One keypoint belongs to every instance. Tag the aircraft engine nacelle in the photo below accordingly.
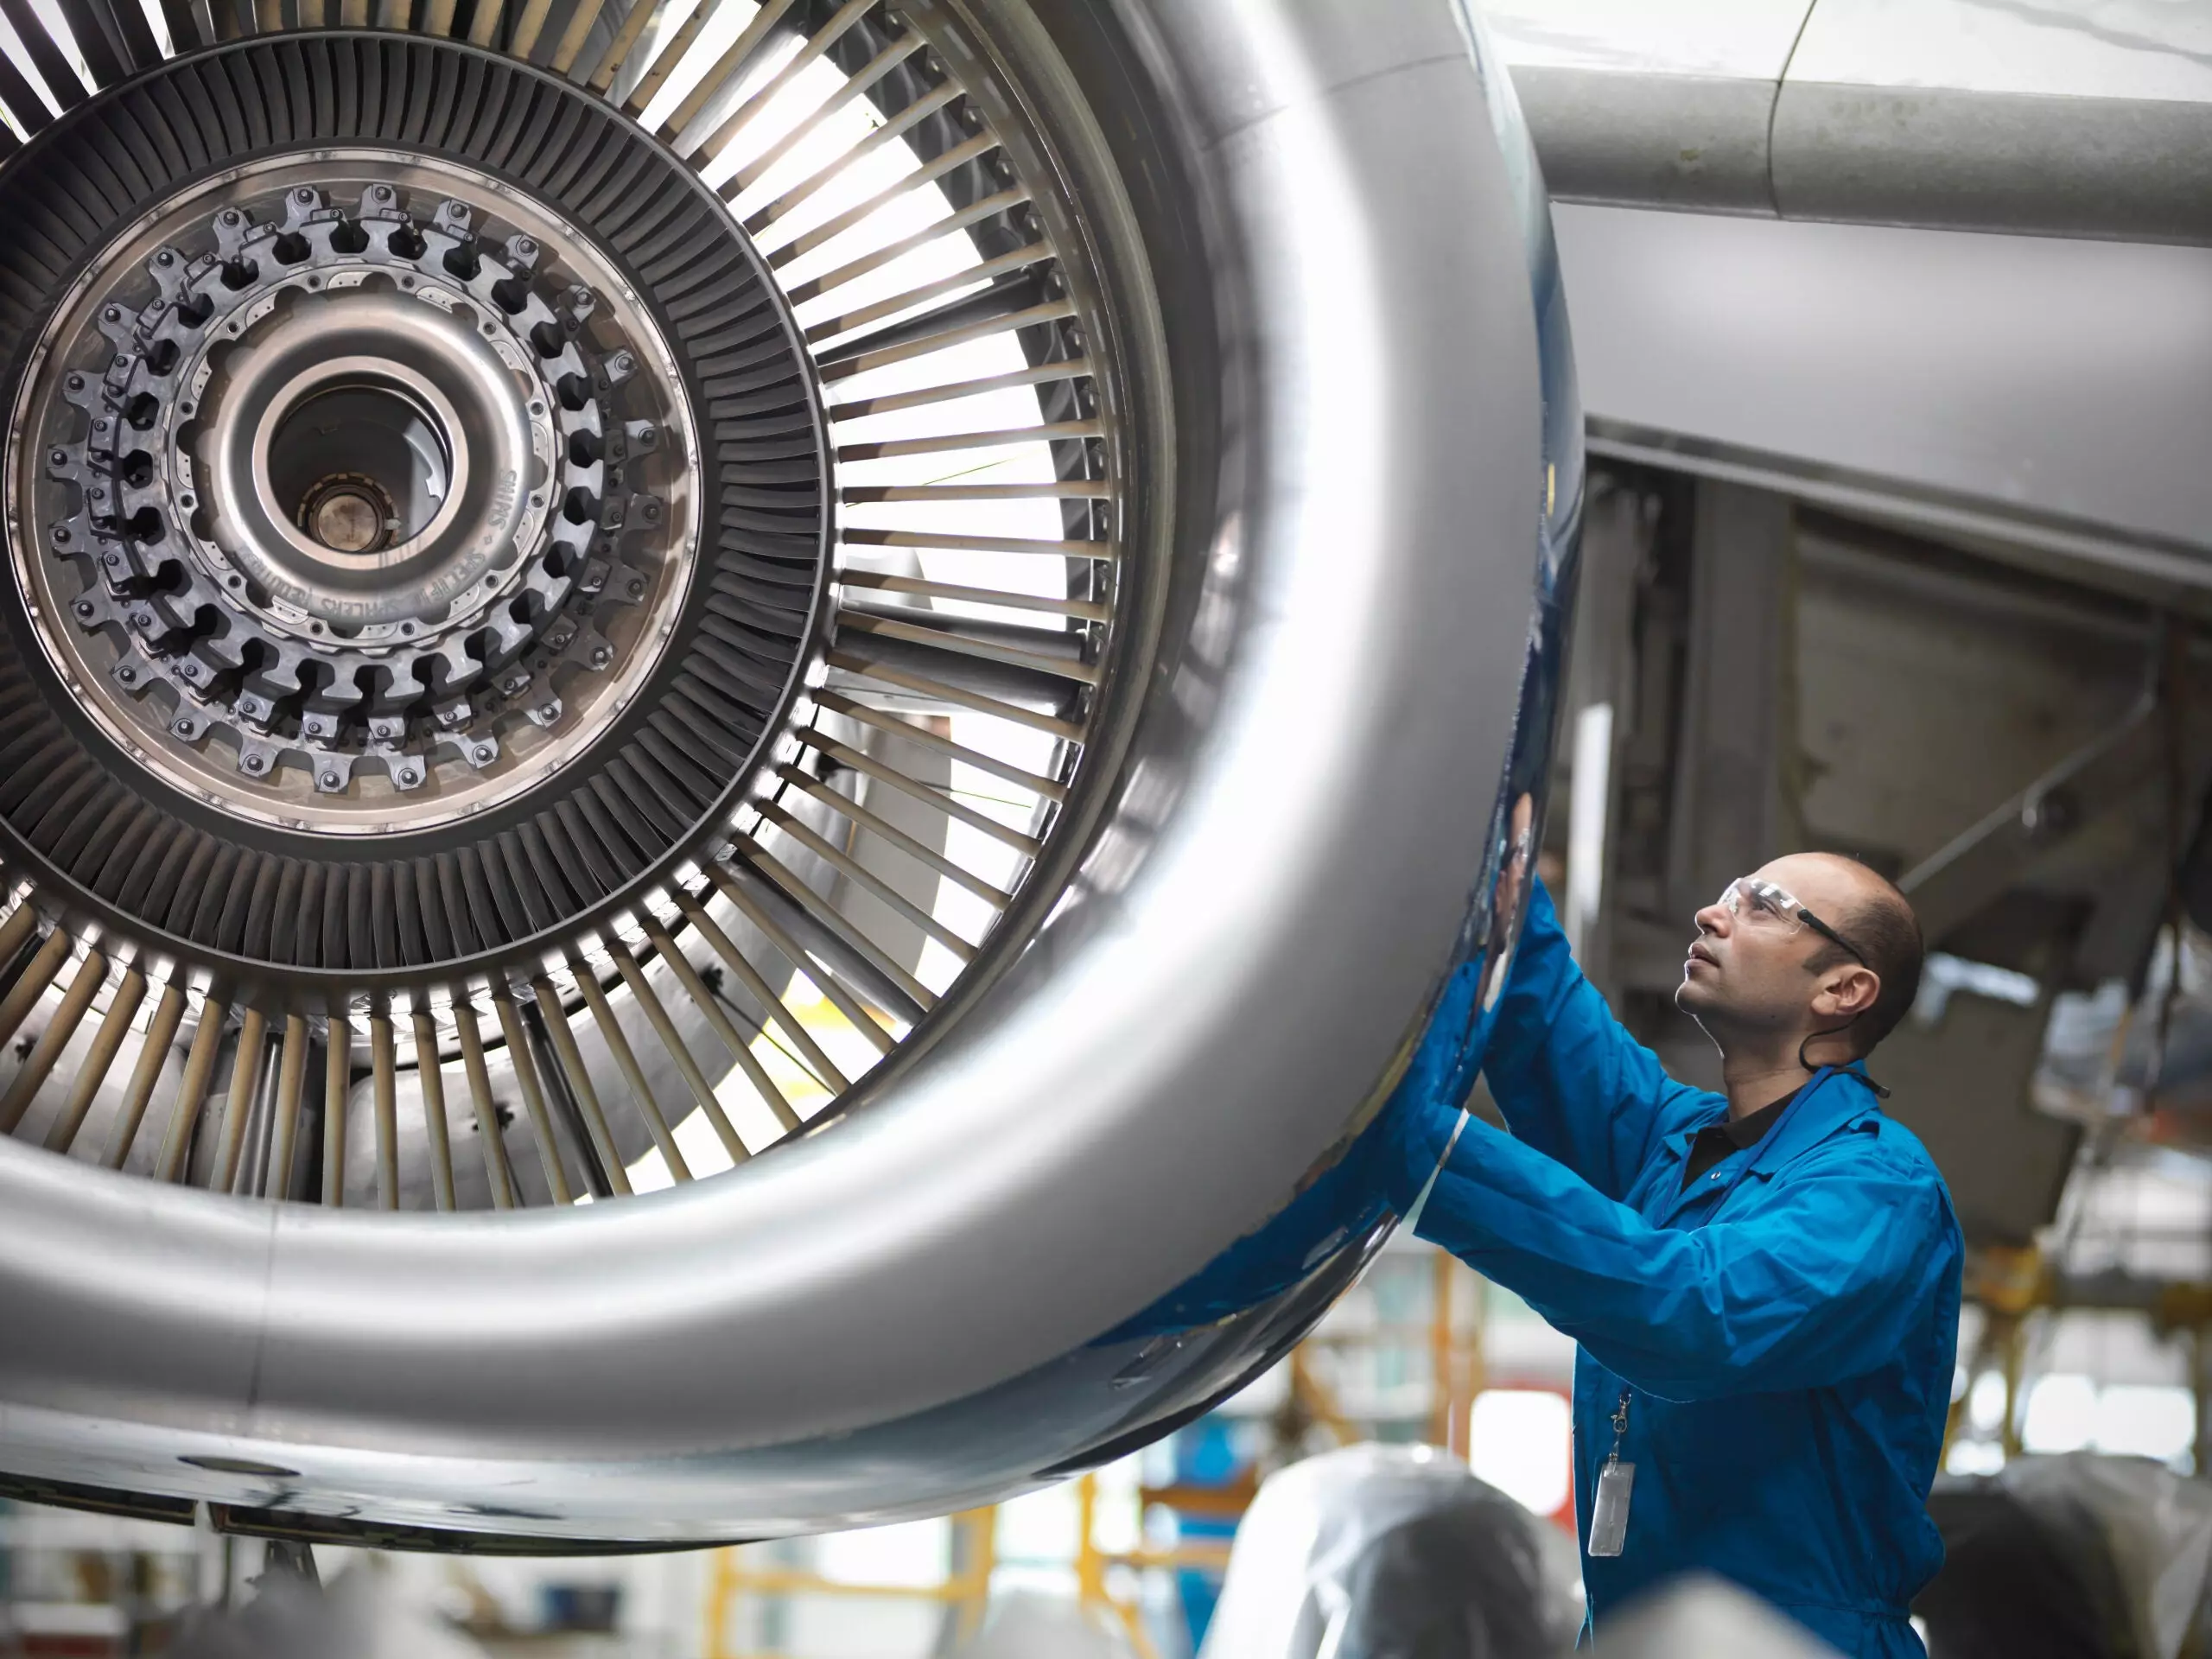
(741, 748)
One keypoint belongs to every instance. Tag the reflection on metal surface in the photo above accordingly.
(1118, 661)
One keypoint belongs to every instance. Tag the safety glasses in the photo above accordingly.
(1747, 897)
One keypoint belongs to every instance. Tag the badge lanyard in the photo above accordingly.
(1616, 1479)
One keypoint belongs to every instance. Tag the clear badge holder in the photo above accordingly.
(1609, 1515)
(1616, 1480)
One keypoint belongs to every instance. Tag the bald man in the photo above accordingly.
(1763, 1282)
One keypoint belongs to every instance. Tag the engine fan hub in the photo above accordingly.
(368, 422)
(343, 507)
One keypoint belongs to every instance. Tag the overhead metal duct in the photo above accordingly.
(2060, 117)
(738, 744)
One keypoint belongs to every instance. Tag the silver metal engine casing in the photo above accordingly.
(1137, 1167)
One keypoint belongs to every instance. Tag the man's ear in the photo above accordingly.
(1855, 988)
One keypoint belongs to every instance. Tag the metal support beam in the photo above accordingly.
(1617, 528)
(2101, 775)
(1730, 815)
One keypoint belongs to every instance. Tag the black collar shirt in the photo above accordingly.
(1731, 1135)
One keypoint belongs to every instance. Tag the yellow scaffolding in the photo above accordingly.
(1095, 1592)
(967, 1587)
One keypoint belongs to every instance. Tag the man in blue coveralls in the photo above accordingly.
(1764, 1283)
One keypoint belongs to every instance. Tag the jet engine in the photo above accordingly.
(742, 744)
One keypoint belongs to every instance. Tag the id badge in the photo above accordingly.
(1609, 1515)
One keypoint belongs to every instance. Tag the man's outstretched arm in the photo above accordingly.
(1819, 1288)
(1570, 1081)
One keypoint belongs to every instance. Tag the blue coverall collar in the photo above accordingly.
(1817, 1110)
(1832, 1098)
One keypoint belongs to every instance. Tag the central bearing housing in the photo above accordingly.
(390, 492)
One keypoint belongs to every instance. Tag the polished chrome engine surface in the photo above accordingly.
(858, 966)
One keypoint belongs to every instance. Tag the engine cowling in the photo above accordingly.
(748, 749)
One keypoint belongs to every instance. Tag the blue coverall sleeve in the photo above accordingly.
(1570, 1081)
(1815, 1289)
